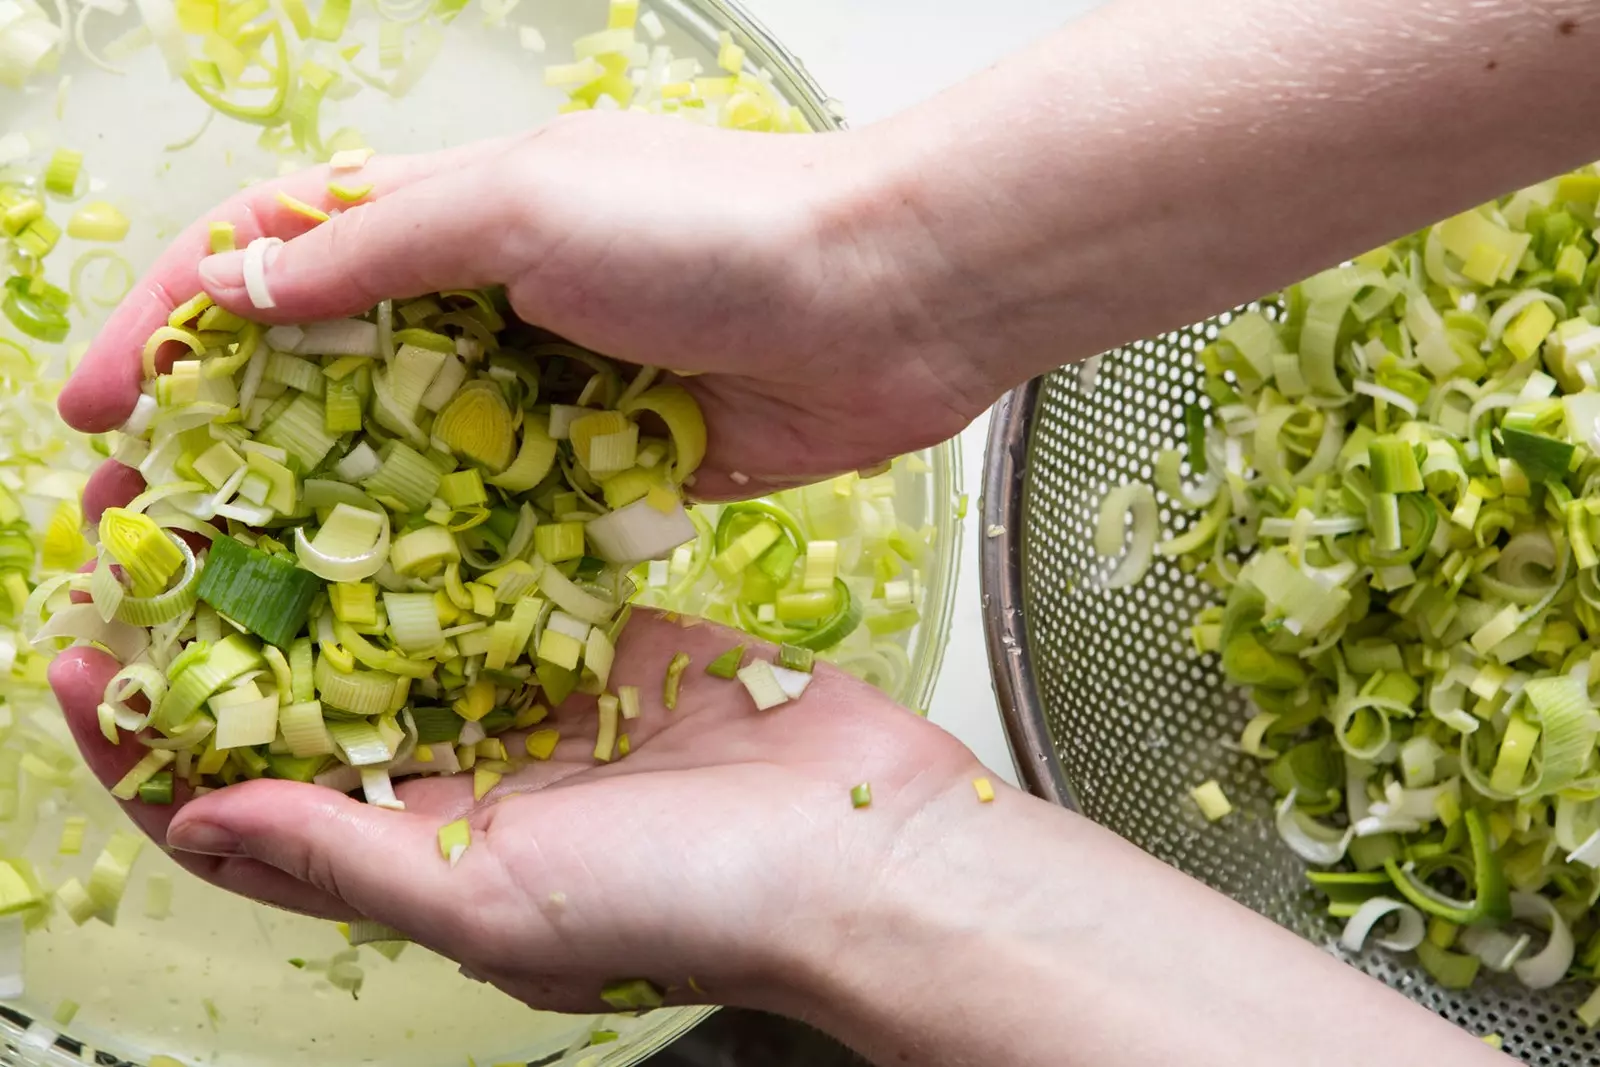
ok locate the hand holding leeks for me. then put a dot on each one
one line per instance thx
(864, 294)
(620, 233)
(723, 861)
(709, 852)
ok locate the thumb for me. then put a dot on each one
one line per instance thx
(382, 864)
(451, 230)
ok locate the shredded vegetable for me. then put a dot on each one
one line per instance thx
(1395, 490)
(475, 617)
(314, 488)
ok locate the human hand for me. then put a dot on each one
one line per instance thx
(724, 847)
(651, 241)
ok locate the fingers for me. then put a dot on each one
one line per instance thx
(104, 388)
(449, 231)
(264, 882)
(110, 486)
(373, 862)
(79, 677)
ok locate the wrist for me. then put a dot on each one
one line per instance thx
(894, 289)
(908, 957)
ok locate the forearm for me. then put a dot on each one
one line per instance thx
(1017, 933)
(1159, 161)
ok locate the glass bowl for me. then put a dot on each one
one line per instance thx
(213, 983)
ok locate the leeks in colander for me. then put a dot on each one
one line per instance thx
(1394, 486)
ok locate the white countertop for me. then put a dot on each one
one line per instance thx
(877, 57)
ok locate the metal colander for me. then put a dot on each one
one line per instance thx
(1109, 710)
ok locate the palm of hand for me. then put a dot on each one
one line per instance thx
(723, 834)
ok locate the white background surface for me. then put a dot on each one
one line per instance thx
(877, 57)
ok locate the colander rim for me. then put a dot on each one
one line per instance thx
(1005, 627)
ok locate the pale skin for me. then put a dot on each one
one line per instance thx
(853, 296)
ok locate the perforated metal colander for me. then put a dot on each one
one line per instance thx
(1109, 710)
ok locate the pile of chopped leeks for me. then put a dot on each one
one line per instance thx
(830, 571)
(853, 592)
(414, 535)
(1395, 485)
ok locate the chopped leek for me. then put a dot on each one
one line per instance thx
(1400, 508)
(267, 595)
(606, 738)
(727, 664)
(632, 994)
(672, 686)
(454, 839)
(269, 651)
(1213, 802)
(541, 744)
(763, 685)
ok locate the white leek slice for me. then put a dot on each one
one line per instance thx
(1550, 965)
(571, 625)
(255, 269)
(1419, 760)
(1587, 853)
(350, 159)
(135, 678)
(360, 744)
(569, 598)
(340, 337)
(359, 464)
(286, 338)
(793, 683)
(138, 421)
(638, 532)
(760, 680)
(379, 790)
(1409, 928)
(1498, 950)
(245, 724)
(1112, 528)
(452, 374)
(346, 566)
(160, 17)
(1310, 840)
(82, 622)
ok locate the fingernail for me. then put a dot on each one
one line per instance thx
(224, 270)
(204, 838)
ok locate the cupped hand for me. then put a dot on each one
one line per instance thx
(743, 257)
(724, 845)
